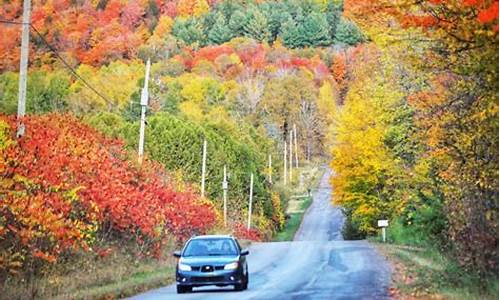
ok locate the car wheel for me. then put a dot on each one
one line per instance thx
(183, 289)
(245, 283)
(239, 287)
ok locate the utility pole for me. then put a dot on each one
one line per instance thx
(203, 168)
(285, 173)
(144, 104)
(250, 202)
(23, 67)
(270, 169)
(224, 188)
(296, 150)
(291, 155)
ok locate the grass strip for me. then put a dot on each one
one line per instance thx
(292, 224)
(427, 274)
(136, 283)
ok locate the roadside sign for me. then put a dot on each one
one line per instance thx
(383, 223)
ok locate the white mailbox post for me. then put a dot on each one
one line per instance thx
(383, 224)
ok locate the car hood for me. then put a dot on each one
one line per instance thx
(201, 260)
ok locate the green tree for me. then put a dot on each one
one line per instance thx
(189, 31)
(333, 14)
(220, 32)
(257, 27)
(177, 144)
(276, 15)
(315, 30)
(9, 84)
(46, 91)
(290, 35)
(347, 33)
(237, 23)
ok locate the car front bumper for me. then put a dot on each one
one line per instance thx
(195, 278)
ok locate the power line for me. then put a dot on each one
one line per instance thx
(13, 22)
(53, 50)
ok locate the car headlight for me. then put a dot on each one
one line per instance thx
(183, 267)
(231, 266)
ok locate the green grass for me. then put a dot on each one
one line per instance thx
(296, 208)
(431, 272)
(88, 276)
(136, 283)
(293, 222)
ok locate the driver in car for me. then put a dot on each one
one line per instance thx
(226, 248)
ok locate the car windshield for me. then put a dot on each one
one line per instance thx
(210, 247)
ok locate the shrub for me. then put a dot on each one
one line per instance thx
(64, 185)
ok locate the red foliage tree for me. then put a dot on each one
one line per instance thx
(253, 57)
(241, 232)
(63, 183)
(210, 53)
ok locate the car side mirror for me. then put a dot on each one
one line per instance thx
(244, 252)
(177, 253)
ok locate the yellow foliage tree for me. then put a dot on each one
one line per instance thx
(327, 102)
(201, 7)
(116, 82)
(164, 27)
(361, 160)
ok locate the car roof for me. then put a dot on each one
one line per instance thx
(212, 236)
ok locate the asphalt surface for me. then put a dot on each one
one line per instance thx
(318, 264)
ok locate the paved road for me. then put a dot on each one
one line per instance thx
(318, 264)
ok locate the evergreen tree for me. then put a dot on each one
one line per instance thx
(257, 26)
(314, 30)
(228, 8)
(348, 33)
(276, 15)
(333, 13)
(190, 31)
(237, 23)
(289, 33)
(220, 32)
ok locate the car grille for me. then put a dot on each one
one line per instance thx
(207, 279)
(207, 268)
(204, 268)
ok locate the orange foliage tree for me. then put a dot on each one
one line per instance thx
(454, 50)
(64, 186)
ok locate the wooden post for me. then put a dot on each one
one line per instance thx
(270, 169)
(203, 168)
(23, 67)
(224, 188)
(285, 163)
(291, 155)
(250, 202)
(144, 104)
(296, 148)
